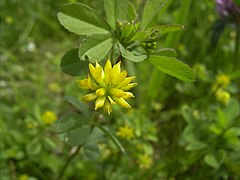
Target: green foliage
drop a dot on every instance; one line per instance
(135, 41)
(173, 67)
(151, 9)
(95, 47)
(175, 130)
(73, 129)
(115, 10)
(78, 104)
(71, 64)
(161, 29)
(130, 56)
(82, 20)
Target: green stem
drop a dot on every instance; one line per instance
(70, 158)
(23, 36)
(112, 137)
(67, 162)
(112, 52)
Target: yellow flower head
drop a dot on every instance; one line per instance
(108, 86)
(54, 87)
(9, 20)
(49, 117)
(105, 152)
(144, 161)
(222, 80)
(125, 132)
(23, 177)
(222, 96)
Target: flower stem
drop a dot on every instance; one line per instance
(112, 137)
(70, 158)
(112, 53)
(67, 162)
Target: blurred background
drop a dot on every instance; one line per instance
(176, 130)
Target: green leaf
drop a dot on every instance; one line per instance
(173, 67)
(166, 52)
(130, 56)
(34, 147)
(222, 120)
(71, 64)
(195, 146)
(211, 160)
(151, 9)
(232, 110)
(95, 47)
(132, 13)
(82, 20)
(140, 35)
(187, 114)
(90, 149)
(78, 104)
(167, 28)
(115, 10)
(190, 137)
(182, 14)
(73, 129)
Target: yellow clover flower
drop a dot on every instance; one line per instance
(49, 117)
(222, 80)
(23, 177)
(125, 132)
(108, 86)
(145, 161)
(54, 87)
(223, 96)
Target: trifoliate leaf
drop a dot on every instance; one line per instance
(82, 20)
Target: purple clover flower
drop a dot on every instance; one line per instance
(227, 9)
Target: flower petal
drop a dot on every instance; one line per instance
(100, 102)
(101, 92)
(117, 67)
(111, 100)
(92, 84)
(126, 81)
(108, 72)
(107, 107)
(121, 102)
(120, 77)
(117, 92)
(129, 86)
(89, 97)
(97, 73)
(83, 83)
(128, 95)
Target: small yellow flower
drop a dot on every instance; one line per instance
(223, 80)
(145, 161)
(49, 117)
(105, 152)
(222, 96)
(107, 86)
(30, 125)
(54, 87)
(9, 20)
(23, 177)
(125, 132)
